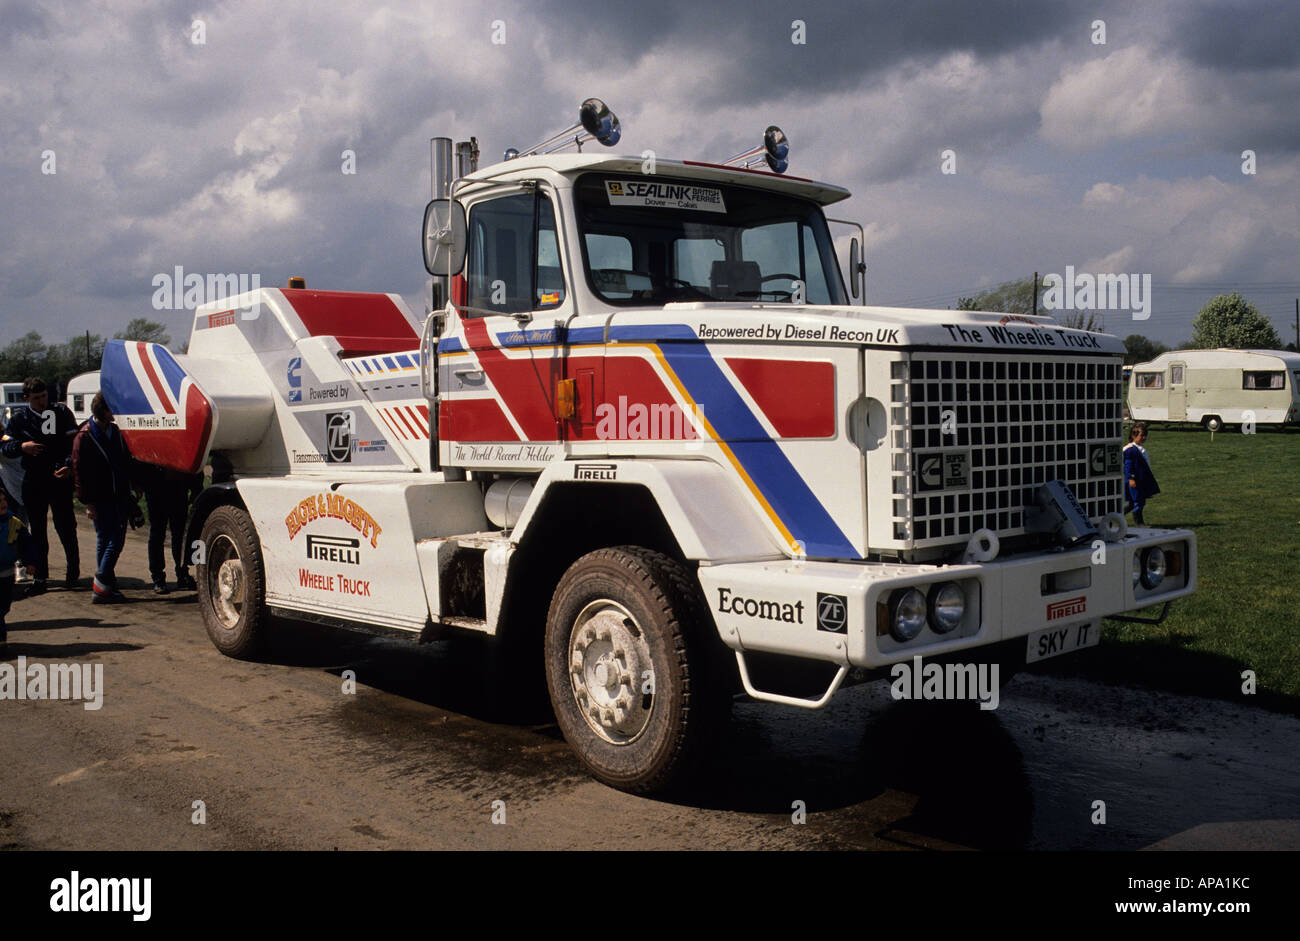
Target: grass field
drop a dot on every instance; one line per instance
(1241, 496)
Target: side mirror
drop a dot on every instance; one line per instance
(856, 269)
(444, 237)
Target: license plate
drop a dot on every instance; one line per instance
(1058, 640)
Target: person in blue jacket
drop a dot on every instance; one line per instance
(1139, 483)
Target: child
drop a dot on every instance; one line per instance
(13, 546)
(1139, 483)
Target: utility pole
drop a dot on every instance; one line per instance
(87, 369)
(1297, 324)
(1035, 293)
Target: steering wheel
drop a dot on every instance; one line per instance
(773, 277)
(678, 282)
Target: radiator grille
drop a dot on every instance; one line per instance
(973, 437)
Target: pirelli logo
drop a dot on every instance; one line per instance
(1067, 608)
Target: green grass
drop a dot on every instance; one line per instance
(1240, 494)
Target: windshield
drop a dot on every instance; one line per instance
(651, 240)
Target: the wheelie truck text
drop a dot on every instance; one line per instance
(645, 442)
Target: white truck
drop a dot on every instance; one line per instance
(645, 442)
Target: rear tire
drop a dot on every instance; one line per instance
(232, 584)
(628, 667)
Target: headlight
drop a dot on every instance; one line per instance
(1153, 567)
(906, 613)
(947, 607)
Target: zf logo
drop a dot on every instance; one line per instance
(832, 613)
(338, 437)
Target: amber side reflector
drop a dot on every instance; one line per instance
(566, 399)
(882, 619)
(297, 282)
(1173, 563)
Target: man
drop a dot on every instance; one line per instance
(168, 493)
(42, 435)
(102, 465)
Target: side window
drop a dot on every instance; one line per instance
(514, 255)
(1176, 375)
(1149, 380)
(1263, 380)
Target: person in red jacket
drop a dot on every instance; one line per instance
(101, 465)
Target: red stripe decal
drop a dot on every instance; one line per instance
(526, 386)
(163, 395)
(410, 432)
(481, 420)
(798, 397)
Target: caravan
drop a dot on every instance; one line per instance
(81, 389)
(1216, 387)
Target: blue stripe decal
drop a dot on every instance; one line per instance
(652, 332)
(587, 335)
(119, 382)
(171, 371)
(761, 457)
(405, 360)
(390, 362)
(367, 365)
(450, 345)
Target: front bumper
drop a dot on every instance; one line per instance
(832, 611)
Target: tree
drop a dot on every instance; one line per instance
(26, 356)
(1140, 349)
(1009, 297)
(1084, 320)
(141, 328)
(1232, 322)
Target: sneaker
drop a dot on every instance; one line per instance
(20, 573)
(37, 587)
(160, 587)
(185, 582)
(108, 597)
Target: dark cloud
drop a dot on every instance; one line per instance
(1243, 36)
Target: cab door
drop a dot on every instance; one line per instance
(502, 356)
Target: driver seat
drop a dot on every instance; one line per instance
(735, 280)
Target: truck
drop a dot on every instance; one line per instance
(645, 443)
(1215, 387)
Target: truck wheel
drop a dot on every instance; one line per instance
(231, 583)
(1212, 423)
(626, 654)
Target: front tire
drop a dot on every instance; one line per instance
(626, 657)
(232, 584)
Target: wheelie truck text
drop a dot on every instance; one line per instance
(646, 444)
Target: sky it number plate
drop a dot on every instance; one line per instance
(1058, 640)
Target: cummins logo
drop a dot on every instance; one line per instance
(943, 470)
(338, 437)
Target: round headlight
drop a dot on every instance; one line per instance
(947, 606)
(906, 613)
(1153, 567)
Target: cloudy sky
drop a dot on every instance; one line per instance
(225, 155)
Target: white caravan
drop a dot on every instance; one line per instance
(81, 389)
(1216, 387)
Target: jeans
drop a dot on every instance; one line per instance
(110, 536)
(43, 493)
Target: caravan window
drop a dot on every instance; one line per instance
(1149, 380)
(1176, 375)
(1271, 379)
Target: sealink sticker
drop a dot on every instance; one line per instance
(664, 195)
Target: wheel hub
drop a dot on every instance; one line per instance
(608, 660)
